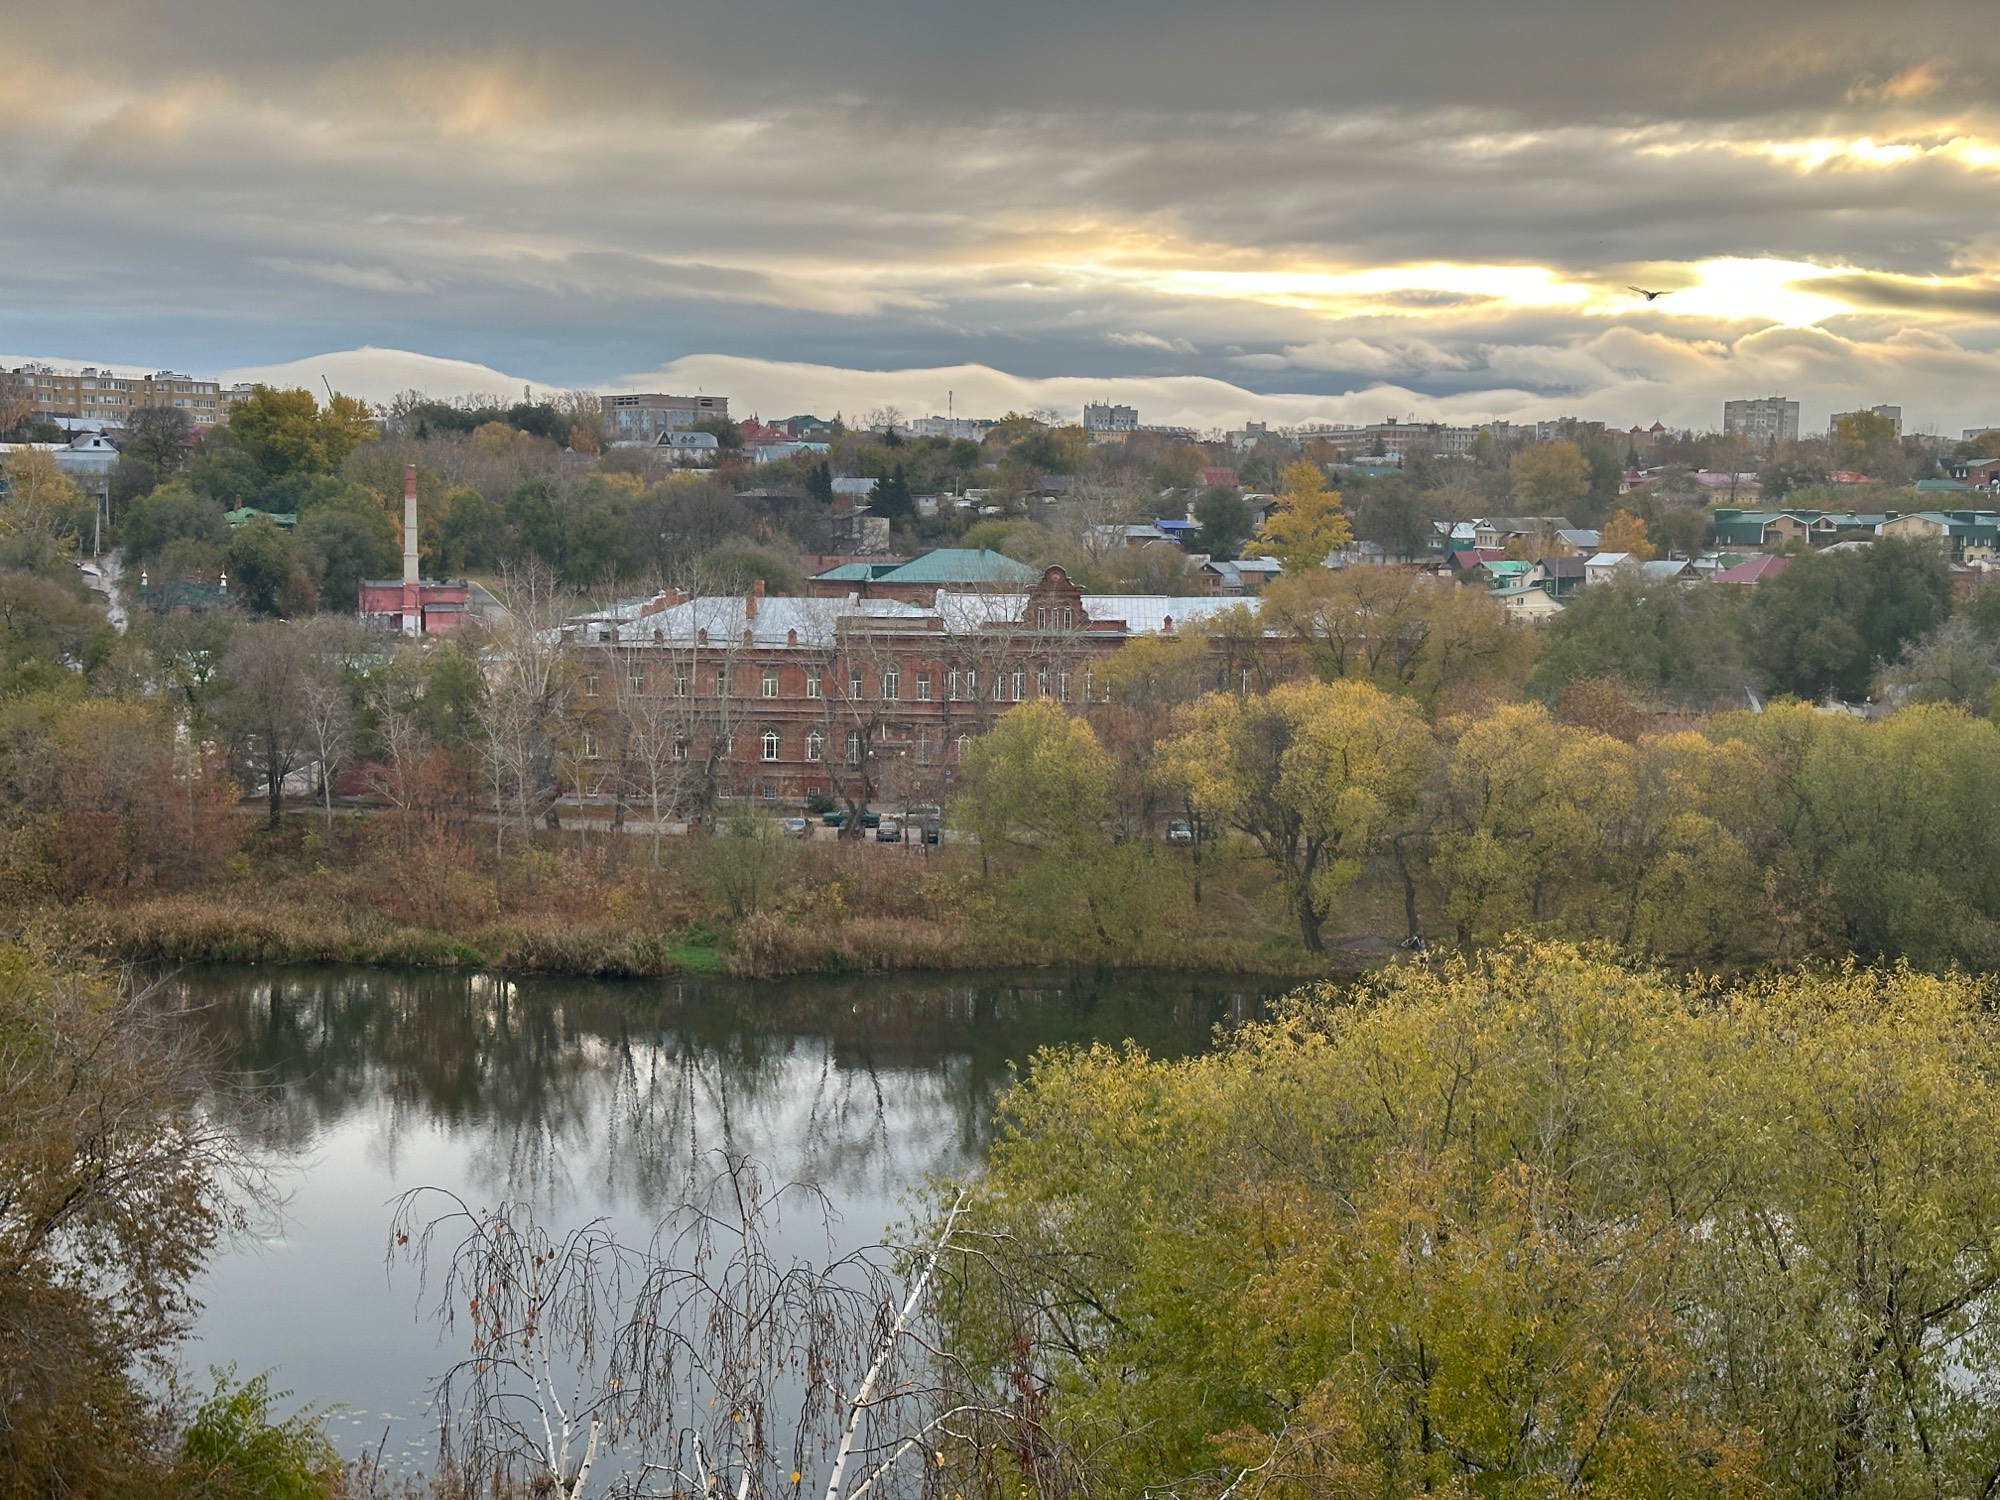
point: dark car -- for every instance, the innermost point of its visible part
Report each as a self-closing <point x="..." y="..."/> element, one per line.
<point x="889" y="831"/>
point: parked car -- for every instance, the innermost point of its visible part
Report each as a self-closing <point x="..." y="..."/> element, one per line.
<point x="889" y="831"/>
<point x="833" y="819"/>
<point x="1180" y="831"/>
<point x="931" y="830"/>
<point x="870" y="819"/>
<point x="798" y="828"/>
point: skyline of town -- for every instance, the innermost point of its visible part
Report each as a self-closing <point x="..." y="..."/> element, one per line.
<point x="1763" y="420"/>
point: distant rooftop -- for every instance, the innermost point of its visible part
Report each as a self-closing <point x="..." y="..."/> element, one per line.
<point x="961" y="565"/>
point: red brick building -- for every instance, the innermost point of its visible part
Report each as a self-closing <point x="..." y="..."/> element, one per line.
<point x="434" y="607"/>
<point x="776" y="699"/>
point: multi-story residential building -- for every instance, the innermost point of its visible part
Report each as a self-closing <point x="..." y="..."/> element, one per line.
<point x="1567" y="430"/>
<point x="93" y="394"/>
<point x="1104" y="417"/>
<point x="1762" y="421"/>
<point x="642" y="417"/>
<point x="1394" y="439"/>
<point x="968" y="429"/>
<point x="1893" y="415"/>
<point x="696" y="700"/>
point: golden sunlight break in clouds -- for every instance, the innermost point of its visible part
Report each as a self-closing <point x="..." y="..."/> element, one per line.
<point x="1435" y="197"/>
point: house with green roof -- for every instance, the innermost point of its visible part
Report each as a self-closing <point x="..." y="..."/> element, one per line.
<point x="1963" y="534"/>
<point x="918" y="580"/>
<point x="243" y="515"/>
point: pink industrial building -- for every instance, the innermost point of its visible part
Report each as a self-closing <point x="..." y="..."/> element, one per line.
<point x="414" y="605"/>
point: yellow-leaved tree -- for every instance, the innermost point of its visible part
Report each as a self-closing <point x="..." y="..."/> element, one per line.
<point x="1625" y="532"/>
<point x="40" y="497"/>
<point x="1036" y="790"/>
<point x="1307" y="523"/>
<point x="1525" y="1226"/>
<point x="1318" y="773"/>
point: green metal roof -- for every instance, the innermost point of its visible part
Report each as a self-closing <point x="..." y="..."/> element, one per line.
<point x="854" y="572"/>
<point x="962" y="565"/>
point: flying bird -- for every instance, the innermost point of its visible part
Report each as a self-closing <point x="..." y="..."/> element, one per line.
<point x="1649" y="296"/>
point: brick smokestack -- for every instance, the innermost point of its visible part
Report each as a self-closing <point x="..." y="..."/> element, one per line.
<point x="410" y="524"/>
<point x="412" y="591"/>
<point x="751" y="600"/>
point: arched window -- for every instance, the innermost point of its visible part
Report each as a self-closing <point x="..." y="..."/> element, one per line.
<point x="771" y="743"/>
<point x="892" y="682"/>
<point x="1019" y="684"/>
<point x="1041" y="682"/>
<point x="962" y="742"/>
<point x="815" y="744"/>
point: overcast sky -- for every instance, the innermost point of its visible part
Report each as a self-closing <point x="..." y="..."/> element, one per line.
<point x="1291" y="208"/>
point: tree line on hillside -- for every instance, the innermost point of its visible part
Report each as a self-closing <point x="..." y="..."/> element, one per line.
<point x="502" y="483"/>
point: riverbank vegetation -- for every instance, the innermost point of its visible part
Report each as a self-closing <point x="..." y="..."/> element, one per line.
<point x="1528" y="1224"/>
<point x="1321" y="824"/>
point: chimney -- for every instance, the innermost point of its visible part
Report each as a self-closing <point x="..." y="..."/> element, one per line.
<point x="410" y="524"/>
<point x="413" y="600"/>
<point x="750" y="600"/>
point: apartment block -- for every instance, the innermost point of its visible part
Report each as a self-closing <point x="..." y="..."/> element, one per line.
<point x="1762" y="421"/>
<point x="1893" y="415"/>
<point x="99" y="395"/>
<point x="642" y="417"/>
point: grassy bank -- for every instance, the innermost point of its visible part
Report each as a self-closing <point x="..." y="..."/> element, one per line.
<point x="758" y="908"/>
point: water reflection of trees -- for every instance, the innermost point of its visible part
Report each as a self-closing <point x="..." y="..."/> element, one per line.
<point x="568" y="1086"/>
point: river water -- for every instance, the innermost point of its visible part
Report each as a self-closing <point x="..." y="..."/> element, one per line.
<point x="591" y="1099"/>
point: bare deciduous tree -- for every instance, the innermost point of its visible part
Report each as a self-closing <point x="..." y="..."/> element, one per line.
<point x="703" y="1362"/>
<point x="334" y="643"/>
<point x="522" y="713"/>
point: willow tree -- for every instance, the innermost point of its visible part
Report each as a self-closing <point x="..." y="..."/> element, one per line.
<point x="1536" y="1225"/>
<point x="1036" y="790"/>
<point x="117" y="1178"/>
<point x="1317" y="773"/>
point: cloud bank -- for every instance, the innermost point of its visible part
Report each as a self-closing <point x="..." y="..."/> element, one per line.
<point x="1430" y="208"/>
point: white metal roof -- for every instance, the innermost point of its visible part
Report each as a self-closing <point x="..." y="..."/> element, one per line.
<point x="724" y="617"/>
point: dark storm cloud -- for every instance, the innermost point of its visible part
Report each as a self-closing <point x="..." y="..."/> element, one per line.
<point x="1551" y="59"/>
